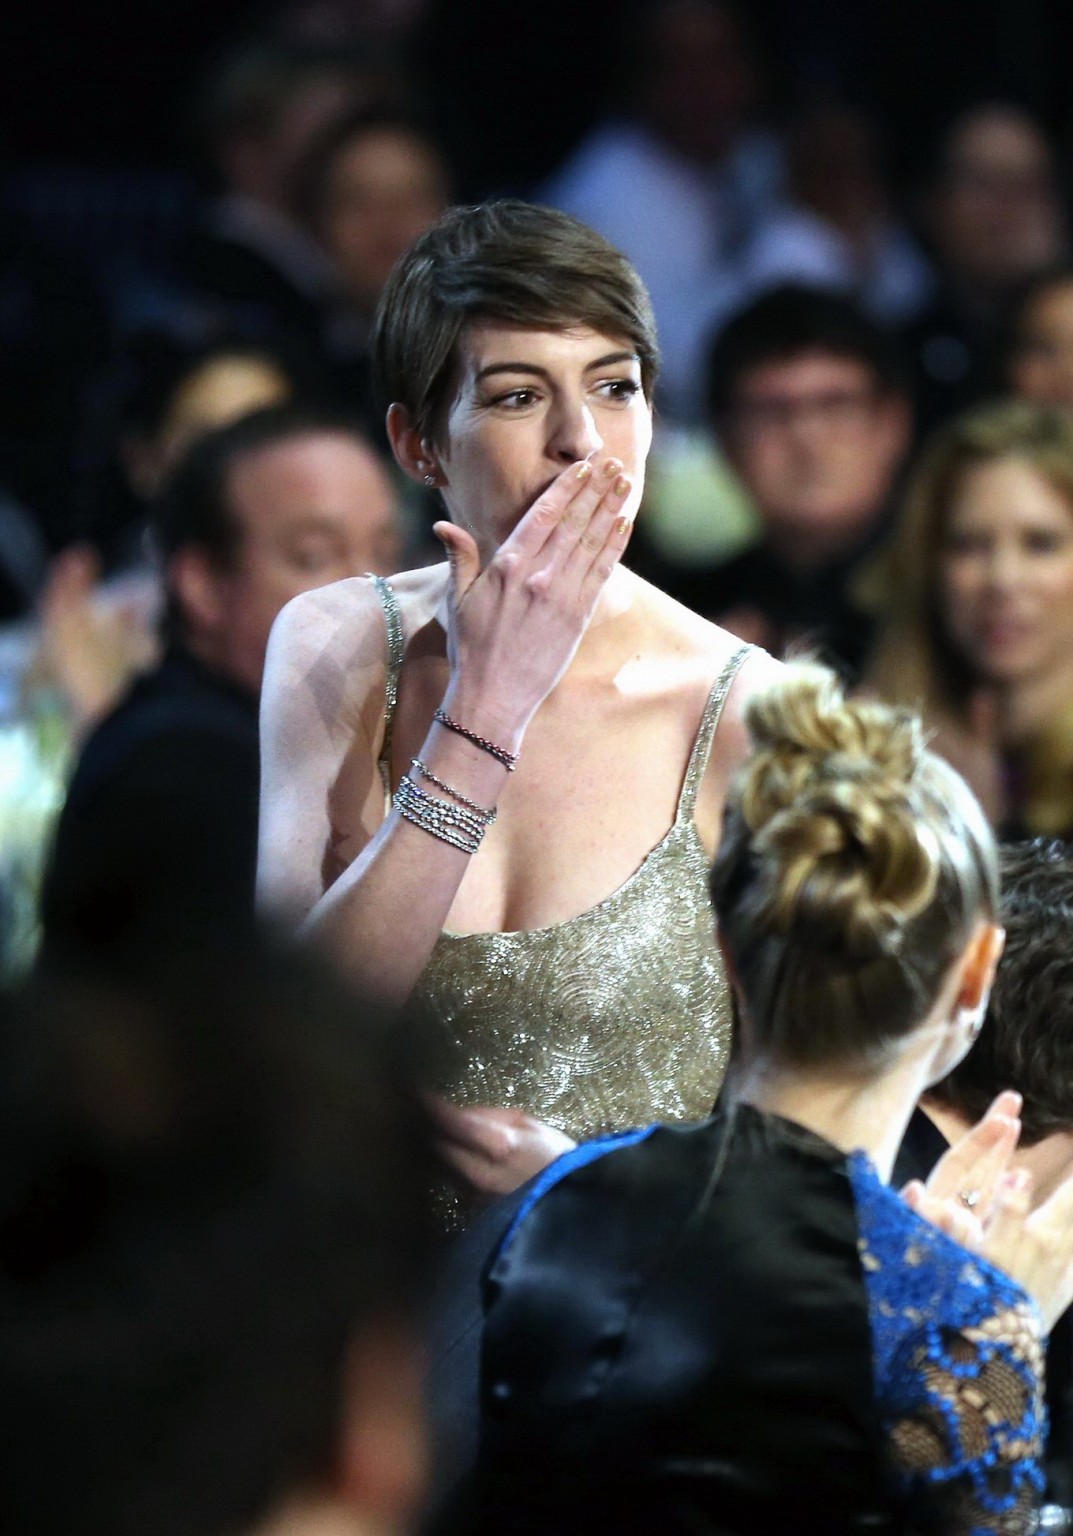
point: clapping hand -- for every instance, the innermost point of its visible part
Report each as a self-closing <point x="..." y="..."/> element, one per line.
<point x="980" y="1200"/>
<point x="962" y="1189"/>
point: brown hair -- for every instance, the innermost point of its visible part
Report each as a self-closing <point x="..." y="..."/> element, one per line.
<point x="508" y="261"/>
<point x="914" y="661"/>
<point x="853" y="867"/>
<point x="1026" y="1042"/>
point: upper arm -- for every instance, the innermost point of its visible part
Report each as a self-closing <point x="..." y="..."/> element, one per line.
<point x="321" y="718"/>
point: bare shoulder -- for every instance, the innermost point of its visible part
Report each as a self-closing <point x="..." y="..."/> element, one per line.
<point x="333" y="640"/>
<point x="346" y="618"/>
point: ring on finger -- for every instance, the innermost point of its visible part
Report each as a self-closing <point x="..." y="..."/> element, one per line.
<point x="970" y="1198"/>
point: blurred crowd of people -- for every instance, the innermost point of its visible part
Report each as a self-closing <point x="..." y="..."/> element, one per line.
<point x="188" y="435"/>
<point x="820" y="320"/>
<point x="215" y="1159"/>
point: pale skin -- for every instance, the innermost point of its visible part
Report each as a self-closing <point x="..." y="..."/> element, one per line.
<point x="535" y="637"/>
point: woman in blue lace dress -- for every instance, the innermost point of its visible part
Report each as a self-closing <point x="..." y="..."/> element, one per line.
<point x="738" y="1326"/>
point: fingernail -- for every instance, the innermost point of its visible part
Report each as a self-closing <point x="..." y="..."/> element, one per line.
<point x="622" y="485"/>
<point x="623" y="526"/>
<point x="612" y="467"/>
<point x="584" y="470"/>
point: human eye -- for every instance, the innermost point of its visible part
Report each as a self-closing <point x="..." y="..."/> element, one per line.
<point x="1045" y="541"/>
<point x="310" y="556"/>
<point x="620" y="391"/>
<point x="517" y="399"/>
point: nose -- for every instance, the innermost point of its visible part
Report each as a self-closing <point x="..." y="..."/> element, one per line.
<point x="1003" y="567"/>
<point x="572" y="431"/>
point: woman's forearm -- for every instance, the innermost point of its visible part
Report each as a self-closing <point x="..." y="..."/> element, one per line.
<point x="383" y="915"/>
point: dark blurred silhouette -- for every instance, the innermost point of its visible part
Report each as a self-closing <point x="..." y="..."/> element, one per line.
<point x="212" y="1249"/>
<point x="370" y="185"/>
<point x="839" y="225"/>
<point x="1039" y="349"/>
<point x="678" y="175"/>
<point x="262" y="110"/>
<point x="994" y="218"/>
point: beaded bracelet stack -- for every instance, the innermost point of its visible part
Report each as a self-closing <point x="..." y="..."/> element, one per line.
<point x="458" y="820"/>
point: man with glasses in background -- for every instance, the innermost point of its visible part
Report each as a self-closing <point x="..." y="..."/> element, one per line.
<point x="810" y="402"/>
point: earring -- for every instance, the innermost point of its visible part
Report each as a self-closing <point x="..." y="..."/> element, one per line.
<point x="430" y="480"/>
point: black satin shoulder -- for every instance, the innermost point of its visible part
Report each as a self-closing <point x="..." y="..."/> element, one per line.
<point x="677" y="1340"/>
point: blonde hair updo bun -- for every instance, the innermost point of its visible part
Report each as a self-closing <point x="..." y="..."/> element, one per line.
<point x="853" y="867"/>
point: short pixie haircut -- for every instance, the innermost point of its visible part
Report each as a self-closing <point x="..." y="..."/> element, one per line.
<point x="510" y="262"/>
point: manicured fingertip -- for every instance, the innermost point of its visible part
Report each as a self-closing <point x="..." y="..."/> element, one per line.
<point x="584" y="469"/>
<point x="1008" y="1102"/>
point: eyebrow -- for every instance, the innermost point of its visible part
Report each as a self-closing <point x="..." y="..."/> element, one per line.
<point x="599" y="362"/>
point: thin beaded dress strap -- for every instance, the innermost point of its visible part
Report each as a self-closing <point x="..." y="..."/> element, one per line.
<point x="393" y="623"/>
<point x="702" y="747"/>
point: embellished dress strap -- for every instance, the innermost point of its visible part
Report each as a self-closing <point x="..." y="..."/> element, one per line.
<point x="702" y="746"/>
<point x="393" y="623"/>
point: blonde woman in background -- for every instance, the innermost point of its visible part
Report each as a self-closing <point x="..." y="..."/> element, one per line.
<point x="980" y="632"/>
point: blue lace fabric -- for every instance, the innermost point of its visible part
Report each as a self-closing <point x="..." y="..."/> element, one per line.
<point x="958" y="1361"/>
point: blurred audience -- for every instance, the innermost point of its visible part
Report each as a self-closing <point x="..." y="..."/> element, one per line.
<point x="1025" y="1045"/>
<point x="838" y="226"/>
<point x="810" y="401"/>
<point x="980" y="633"/>
<point x="161" y="392"/>
<point x="162" y="807"/>
<point x="681" y="178"/>
<point x="994" y="217"/>
<point x="1039" y="359"/>
<point x="92" y="637"/>
<point x="371" y="185"/>
<point x="23" y="558"/>
<point x="224" y="382"/>
<point x="263" y="109"/>
<point x="54" y="335"/>
<point x="100" y="603"/>
<point x="212" y="1251"/>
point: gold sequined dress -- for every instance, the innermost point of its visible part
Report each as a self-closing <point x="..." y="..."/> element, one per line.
<point x="612" y="1019"/>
